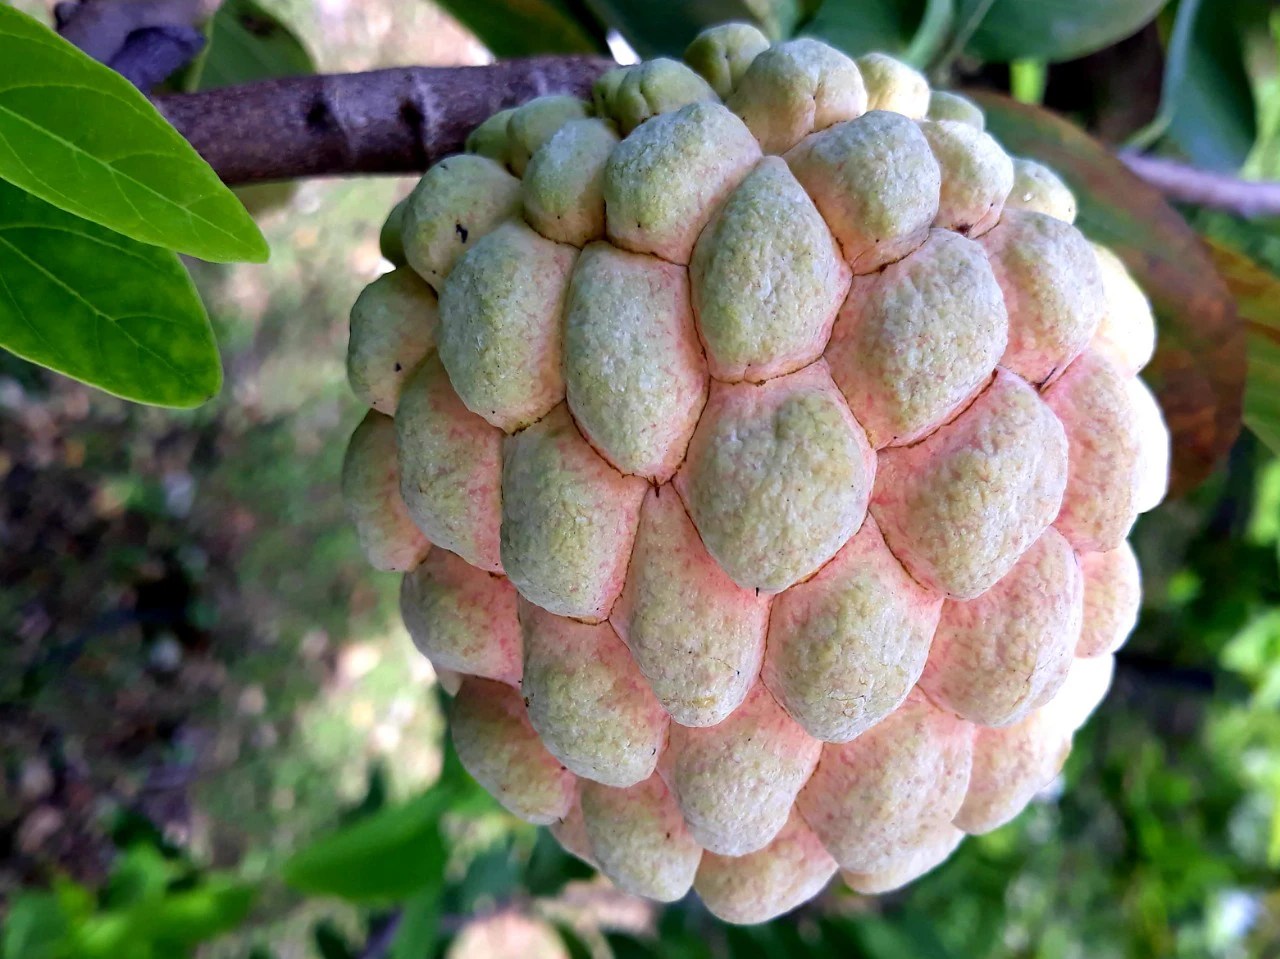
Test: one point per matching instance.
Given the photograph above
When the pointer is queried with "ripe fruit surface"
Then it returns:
(759, 443)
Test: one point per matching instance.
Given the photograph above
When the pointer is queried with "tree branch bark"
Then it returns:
(402, 120)
(387, 121)
(1186, 184)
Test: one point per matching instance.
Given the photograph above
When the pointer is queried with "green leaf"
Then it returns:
(1053, 29)
(910, 935)
(101, 308)
(419, 925)
(1199, 367)
(216, 906)
(1177, 49)
(1208, 96)
(141, 873)
(665, 29)
(1257, 294)
(36, 928)
(624, 946)
(682, 935)
(80, 136)
(492, 876)
(165, 923)
(775, 939)
(247, 43)
(912, 29)
(386, 856)
(519, 28)
(550, 867)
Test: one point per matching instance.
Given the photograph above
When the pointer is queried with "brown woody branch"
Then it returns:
(403, 120)
(1186, 184)
(387, 121)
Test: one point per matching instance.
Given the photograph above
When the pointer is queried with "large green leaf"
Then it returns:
(247, 43)
(520, 28)
(81, 137)
(1257, 293)
(100, 307)
(1052, 29)
(1199, 367)
(912, 29)
(665, 29)
(383, 857)
(1207, 93)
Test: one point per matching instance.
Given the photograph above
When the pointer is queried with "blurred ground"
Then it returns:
(189, 632)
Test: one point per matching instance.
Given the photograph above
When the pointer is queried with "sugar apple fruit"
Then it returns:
(758, 443)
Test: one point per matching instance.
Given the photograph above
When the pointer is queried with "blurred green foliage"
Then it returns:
(154, 905)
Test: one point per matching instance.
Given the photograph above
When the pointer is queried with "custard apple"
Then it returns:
(758, 443)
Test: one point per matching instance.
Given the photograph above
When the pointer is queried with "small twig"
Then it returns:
(1187, 184)
(145, 41)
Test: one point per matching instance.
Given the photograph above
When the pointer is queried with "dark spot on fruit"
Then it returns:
(461, 231)
(399, 367)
